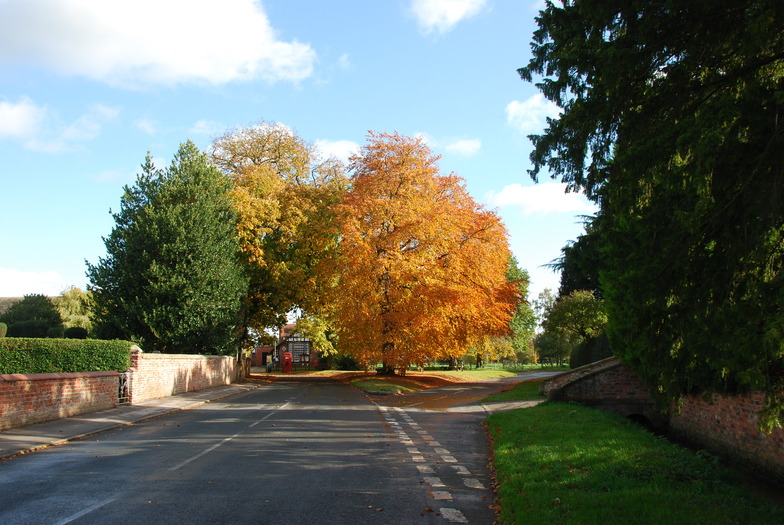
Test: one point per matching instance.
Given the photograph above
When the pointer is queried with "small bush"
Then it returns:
(346, 362)
(40, 356)
(31, 328)
(55, 332)
(3, 329)
(75, 332)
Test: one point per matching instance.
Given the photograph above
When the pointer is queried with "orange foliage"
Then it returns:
(419, 272)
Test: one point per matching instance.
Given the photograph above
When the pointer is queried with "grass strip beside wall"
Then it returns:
(562, 463)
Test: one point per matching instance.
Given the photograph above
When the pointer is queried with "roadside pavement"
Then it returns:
(41, 435)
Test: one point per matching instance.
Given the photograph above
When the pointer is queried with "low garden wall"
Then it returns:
(28, 398)
(154, 376)
(33, 398)
(726, 425)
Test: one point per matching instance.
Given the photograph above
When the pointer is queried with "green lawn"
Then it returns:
(472, 375)
(387, 387)
(522, 391)
(561, 463)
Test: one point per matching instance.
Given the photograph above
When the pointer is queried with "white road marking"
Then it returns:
(216, 445)
(84, 512)
(434, 481)
(453, 515)
(473, 483)
(441, 495)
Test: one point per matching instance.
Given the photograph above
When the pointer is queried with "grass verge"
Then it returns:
(470, 375)
(381, 387)
(561, 463)
(523, 391)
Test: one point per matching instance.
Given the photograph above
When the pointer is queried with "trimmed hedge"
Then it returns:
(40, 356)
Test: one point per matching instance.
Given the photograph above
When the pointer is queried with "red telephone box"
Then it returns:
(288, 363)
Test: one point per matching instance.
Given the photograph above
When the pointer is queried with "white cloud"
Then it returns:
(16, 283)
(529, 116)
(21, 119)
(340, 149)
(40, 130)
(147, 42)
(344, 62)
(465, 147)
(53, 136)
(440, 16)
(207, 127)
(458, 146)
(547, 197)
(147, 125)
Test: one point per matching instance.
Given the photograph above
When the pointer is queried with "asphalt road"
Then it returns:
(291, 452)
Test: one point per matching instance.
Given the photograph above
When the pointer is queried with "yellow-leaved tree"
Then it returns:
(418, 272)
(284, 195)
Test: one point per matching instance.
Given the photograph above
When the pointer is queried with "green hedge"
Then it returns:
(20, 355)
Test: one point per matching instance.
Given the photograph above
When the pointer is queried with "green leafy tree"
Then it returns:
(523, 323)
(172, 278)
(580, 314)
(322, 336)
(553, 347)
(580, 319)
(671, 119)
(74, 306)
(33, 316)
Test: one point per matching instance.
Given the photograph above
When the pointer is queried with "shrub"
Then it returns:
(346, 362)
(37, 356)
(55, 332)
(29, 328)
(75, 332)
(3, 329)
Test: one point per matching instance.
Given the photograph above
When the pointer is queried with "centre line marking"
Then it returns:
(216, 445)
(84, 512)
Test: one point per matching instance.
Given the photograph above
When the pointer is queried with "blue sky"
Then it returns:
(87, 87)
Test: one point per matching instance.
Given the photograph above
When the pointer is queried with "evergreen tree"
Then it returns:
(671, 120)
(172, 278)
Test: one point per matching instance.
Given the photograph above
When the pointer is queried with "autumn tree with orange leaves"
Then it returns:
(418, 272)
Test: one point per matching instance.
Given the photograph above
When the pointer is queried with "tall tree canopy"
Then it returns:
(283, 193)
(671, 119)
(419, 270)
(172, 278)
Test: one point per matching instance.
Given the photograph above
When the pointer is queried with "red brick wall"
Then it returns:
(32, 398)
(606, 379)
(728, 425)
(160, 375)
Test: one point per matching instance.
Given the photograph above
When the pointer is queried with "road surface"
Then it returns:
(293, 451)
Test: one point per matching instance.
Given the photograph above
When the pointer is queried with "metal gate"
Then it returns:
(124, 392)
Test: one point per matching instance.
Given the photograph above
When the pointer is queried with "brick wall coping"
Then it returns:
(51, 376)
(570, 376)
(153, 355)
